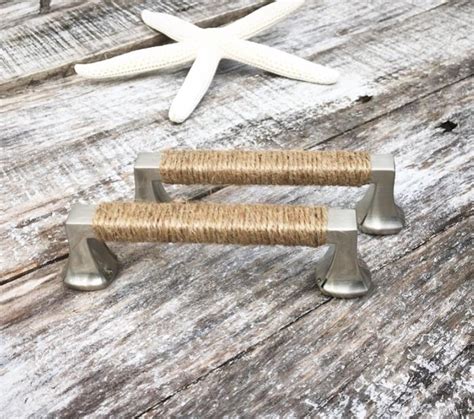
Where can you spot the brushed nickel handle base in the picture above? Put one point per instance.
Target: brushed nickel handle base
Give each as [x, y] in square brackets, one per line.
[148, 185]
[92, 266]
[341, 273]
[377, 212]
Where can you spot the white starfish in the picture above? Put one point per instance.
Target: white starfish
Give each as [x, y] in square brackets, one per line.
[207, 47]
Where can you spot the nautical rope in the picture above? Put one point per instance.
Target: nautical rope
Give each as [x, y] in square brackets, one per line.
[265, 167]
[211, 223]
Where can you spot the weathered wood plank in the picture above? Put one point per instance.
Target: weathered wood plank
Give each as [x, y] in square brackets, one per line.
[449, 388]
[179, 312]
[45, 6]
[89, 150]
[14, 13]
[51, 43]
[433, 166]
[375, 357]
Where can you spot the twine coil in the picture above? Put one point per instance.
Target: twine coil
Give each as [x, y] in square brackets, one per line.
[265, 167]
[211, 223]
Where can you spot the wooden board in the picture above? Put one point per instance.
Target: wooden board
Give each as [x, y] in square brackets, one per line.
[15, 13]
[215, 330]
[368, 357]
[195, 308]
[97, 144]
[49, 44]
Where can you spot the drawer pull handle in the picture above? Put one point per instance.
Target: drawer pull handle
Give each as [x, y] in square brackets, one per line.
[92, 266]
[377, 212]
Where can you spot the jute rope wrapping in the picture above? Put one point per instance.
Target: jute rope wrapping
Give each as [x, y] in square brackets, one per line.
[265, 167]
[211, 223]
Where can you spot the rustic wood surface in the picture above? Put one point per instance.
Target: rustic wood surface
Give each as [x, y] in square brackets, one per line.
[191, 330]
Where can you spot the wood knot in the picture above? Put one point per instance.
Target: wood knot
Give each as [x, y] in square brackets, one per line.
[447, 126]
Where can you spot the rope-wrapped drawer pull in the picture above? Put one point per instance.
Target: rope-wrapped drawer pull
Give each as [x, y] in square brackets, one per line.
[377, 212]
[92, 266]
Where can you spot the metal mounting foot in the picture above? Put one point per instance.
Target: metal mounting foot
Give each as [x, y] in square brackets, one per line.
[91, 265]
[148, 185]
[341, 273]
[377, 212]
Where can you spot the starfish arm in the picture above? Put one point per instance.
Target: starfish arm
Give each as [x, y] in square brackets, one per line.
[140, 61]
[173, 27]
[263, 18]
[279, 62]
[195, 86]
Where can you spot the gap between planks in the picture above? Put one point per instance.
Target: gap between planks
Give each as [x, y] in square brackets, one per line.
[232, 359]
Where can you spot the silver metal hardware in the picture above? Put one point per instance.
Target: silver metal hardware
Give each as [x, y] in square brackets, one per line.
[340, 272]
[377, 212]
[148, 186]
[92, 265]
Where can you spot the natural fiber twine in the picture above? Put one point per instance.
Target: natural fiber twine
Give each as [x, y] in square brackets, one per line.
[211, 223]
[265, 167]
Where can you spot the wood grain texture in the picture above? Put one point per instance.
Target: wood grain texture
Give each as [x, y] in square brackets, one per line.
[379, 356]
[49, 44]
[203, 330]
[16, 12]
[177, 313]
[64, 145]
